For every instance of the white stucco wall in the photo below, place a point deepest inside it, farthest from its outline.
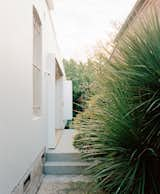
(21, 136)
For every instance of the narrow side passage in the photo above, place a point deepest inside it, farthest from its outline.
(63, 169)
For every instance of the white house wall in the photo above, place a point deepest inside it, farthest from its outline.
(22, 136)
(50, 96)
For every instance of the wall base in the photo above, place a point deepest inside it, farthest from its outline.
(32, 179)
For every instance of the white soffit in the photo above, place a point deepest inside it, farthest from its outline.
(50, 4)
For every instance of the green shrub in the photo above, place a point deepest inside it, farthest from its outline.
(82, 78)
(122, 135)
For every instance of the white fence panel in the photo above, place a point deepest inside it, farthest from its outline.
(68, 98)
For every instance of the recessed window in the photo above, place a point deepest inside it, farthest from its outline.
(37, 62)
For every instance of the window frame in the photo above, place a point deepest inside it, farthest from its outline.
(37, 64)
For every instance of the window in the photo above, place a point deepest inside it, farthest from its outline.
(37, 60)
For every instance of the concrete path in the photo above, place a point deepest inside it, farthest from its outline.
(65, 145)
(64, 185)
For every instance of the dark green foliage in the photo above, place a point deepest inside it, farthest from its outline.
(82, 77)
(120, 133)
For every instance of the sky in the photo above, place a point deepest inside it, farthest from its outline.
(81, 24)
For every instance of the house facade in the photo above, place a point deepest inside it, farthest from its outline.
(141, 8)
(33, 93)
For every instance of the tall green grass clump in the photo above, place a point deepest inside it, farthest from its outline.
(120, 131)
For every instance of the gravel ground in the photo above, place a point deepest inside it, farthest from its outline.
(66, 185)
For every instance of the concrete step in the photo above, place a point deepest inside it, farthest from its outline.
(65, 168)
(62, 157)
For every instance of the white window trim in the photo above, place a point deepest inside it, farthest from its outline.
(37, 63)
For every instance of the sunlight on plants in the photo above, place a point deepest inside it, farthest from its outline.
(120, 130)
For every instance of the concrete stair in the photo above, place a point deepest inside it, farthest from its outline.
(67, 157)
(64, 164)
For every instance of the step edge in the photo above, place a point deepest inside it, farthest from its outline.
(66, 163)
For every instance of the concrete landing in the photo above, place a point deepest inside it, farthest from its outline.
(64, 185)
(65, 144)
